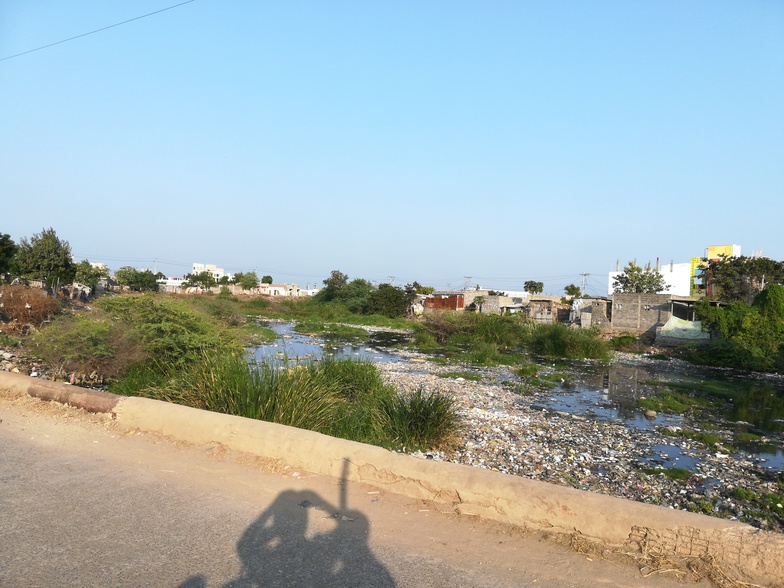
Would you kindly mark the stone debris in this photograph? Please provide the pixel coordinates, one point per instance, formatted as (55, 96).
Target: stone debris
(507, 432)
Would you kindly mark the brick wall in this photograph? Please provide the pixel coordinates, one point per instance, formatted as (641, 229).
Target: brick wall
(639, 312)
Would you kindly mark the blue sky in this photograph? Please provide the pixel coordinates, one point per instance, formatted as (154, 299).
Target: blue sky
(429, 141)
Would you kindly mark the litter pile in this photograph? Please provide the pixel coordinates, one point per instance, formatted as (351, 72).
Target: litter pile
(512, 433)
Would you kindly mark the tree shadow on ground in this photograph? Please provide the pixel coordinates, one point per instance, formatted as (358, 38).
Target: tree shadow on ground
(289, 545)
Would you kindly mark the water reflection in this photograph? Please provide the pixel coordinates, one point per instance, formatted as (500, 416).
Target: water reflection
(295, 347)
(754, 411)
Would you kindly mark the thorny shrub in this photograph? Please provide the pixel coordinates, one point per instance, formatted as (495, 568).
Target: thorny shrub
(21, 305)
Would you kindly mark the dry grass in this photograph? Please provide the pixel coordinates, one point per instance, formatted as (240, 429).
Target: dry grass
(23, 306)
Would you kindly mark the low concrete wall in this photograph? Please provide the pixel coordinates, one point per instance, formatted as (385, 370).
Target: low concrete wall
(642, 528)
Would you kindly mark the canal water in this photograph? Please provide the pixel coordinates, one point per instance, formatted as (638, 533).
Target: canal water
(597, 392)
(295, 347)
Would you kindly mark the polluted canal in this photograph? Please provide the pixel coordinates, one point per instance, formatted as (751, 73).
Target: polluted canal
(584, 425)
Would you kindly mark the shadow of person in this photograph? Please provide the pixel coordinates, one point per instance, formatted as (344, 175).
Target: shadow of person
(278, 550)
(284, 547)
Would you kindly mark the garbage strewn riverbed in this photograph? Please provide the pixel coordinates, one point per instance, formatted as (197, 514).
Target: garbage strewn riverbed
(516, 434)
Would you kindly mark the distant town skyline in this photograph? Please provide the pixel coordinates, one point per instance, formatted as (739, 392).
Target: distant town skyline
(438, 142)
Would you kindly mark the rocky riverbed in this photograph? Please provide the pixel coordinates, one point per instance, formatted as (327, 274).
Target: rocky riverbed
(513, 428)
(512, 432)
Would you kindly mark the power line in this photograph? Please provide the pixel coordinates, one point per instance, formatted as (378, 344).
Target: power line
(95, 31)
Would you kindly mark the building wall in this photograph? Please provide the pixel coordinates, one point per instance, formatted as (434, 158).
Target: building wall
(444, 302)
(639, 312)
(215, 271)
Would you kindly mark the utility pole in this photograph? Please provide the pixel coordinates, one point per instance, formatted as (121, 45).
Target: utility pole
(467, 279)
(391, 280)
(582, 290)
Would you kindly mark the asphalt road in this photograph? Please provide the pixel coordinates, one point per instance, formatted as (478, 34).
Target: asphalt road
(85, 503)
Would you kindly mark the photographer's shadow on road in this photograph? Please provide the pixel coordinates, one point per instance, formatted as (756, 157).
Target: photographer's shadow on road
(283, 547)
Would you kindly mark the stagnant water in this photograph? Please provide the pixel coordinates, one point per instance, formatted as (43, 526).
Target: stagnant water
(604, 393)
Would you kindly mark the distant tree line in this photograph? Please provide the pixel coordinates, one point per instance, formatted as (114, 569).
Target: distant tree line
(359, 296)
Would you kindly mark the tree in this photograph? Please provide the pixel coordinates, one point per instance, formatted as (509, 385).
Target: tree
(249, 281)
(387, 300)
(7, 252)
(88, 274)
(354, 295)
(479, 301)
(572, 290)
(336, 281)
(533, 287)
(412, 290)
(496, 293)
(751, 335)
(45, 257)
(203, 280)
(136, 280)
(639, 280)
(741, 278)
(266, 279)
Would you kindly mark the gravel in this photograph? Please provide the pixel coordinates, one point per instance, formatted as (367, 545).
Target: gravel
(512, 433)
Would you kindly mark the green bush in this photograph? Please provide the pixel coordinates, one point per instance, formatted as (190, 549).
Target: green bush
(171, 330)
(86, 344)
(419, 421)
(557, 340)
(343, 398)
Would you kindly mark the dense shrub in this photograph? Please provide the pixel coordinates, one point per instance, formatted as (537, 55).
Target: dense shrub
(558, 340)
(342, 398)
(750, 336)
(168, 329)
(87, 344)
(419, 420)
(21, 305)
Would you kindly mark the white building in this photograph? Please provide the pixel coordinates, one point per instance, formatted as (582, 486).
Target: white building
(678, 276)
(215, 271)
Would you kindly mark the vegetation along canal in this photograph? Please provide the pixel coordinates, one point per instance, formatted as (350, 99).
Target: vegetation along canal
(711, 441)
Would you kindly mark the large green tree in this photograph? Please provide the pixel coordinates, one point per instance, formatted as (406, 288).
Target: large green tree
(88, 274)
(249, 280)
(203, 280)
(638, 280)
(751, 336)
(45, 257)
(137, 280)
(741, 278)
(388, 300)
(336, 281)
(533, 287)
(7, 253)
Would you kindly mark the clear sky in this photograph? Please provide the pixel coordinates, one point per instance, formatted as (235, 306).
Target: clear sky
(502, 141)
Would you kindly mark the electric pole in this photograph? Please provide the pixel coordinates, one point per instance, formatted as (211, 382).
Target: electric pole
(582, 290)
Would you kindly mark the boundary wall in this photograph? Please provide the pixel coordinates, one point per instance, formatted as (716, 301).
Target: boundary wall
(745, 553)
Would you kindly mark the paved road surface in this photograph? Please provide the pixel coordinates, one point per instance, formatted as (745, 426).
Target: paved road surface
(85, 503)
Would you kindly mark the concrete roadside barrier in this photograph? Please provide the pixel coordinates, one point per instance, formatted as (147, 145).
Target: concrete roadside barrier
(739, 550)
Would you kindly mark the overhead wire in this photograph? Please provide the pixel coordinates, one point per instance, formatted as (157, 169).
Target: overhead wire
(96, 30)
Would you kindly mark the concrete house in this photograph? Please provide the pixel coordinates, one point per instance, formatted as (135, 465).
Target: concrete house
(642, 314)
(279, 290)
